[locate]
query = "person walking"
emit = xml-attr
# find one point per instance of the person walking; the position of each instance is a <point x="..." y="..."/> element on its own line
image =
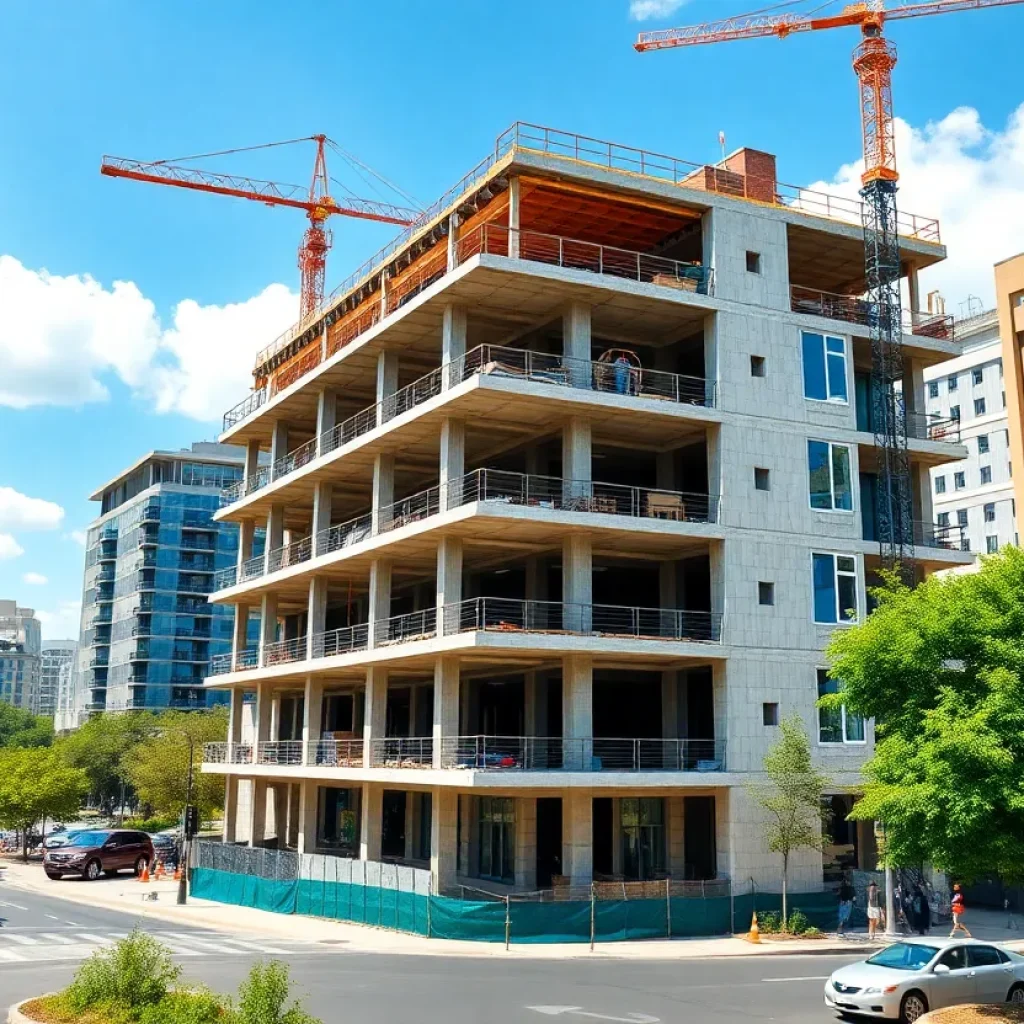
<point x="922" y="912"/>
<point x="846" y="896"/>
<point x="957" y="906"/>
<point x="874" y="910"/>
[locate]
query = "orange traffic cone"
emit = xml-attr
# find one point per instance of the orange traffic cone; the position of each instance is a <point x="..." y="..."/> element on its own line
<point x="755" y="934"/>
<point x="158" y="870"/>
<point x="144" y="877"/>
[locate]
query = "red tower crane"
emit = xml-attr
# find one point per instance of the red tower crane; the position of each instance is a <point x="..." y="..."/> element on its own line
<point x="315" y="200"/>
<point x="873" y="61"/>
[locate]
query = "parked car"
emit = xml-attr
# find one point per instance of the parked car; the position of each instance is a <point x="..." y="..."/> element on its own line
<point x="93" y="852"/>
<point x="165" y="849"/>
<point x="907" y="979"/>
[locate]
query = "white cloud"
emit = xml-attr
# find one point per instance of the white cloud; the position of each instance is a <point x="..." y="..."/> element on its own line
<point x="644" y="10"/>
<point x="62" y="622"/>
<point x="79" y="537"/>
<point x="62" y="338"/>
<point x="971" y="178"/>
<point x="20" y="512"/>
<point x="35" y="579"/>
<point x="9" y="547"/>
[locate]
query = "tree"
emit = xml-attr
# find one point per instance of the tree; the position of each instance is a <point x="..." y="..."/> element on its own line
<point x="36" y="783"/>
<point x="158" y="767"/>
<point x="941" y="670"/>
<point x="792" y="798"/>
<point x="20" y="728"/>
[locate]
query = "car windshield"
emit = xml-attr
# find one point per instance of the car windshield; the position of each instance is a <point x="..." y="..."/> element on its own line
<point x="904" y="956"/>
<point x="90" y="838"/>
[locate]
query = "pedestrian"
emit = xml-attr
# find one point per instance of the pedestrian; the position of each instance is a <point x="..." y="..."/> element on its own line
<point x="922" y="912"/>
<point x="874" y="910"/>
<point x="846" y="896"/>
<point x="957" y="906"/>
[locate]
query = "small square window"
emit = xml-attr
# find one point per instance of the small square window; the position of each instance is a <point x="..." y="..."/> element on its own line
<point x="761" y="479"/>
<point x="770" y="713"/>
<point x="943" y="519"/>
<point x="753" y="262"/>
<point x="990" y="512"/>
<point x="983" y="444"/>
<point x="757" y="366"/>
<point x="954" y="412"/>
<point x="986" y="474"/>
<point x="991" y="545"/>
<point x="976" y="375"/>
<point x="961" y="517"/>
<point x="951" y="383"/>
<point x="979" y="407"/>
<point x="940" y="485"/>
<point x="933" y="389"/>
<point x="959" y="481"/>
<point x="765" y="593"/>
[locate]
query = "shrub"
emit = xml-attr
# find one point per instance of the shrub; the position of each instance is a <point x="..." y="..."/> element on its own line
<point x="812" y="932"/>
<point x="151" y="824"/>
<point x="185" y="1006"/>
<point x="769" y="921"/>
<point x="798" y="923"/>
<point x="134" y="974"/>
<point x="262" y="997"/>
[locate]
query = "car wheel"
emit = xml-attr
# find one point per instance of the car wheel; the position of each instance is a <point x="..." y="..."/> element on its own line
<point x="914" y="1006"/>
<point x="140" y="866"/>
<point x="92" y="870"/>
<point x="1016" y="995"/>
<point x="55" y="875"/>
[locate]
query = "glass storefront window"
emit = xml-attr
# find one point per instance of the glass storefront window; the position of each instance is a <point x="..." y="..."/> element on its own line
<point x="498" y="839"/>
<point x="643" y="837"/>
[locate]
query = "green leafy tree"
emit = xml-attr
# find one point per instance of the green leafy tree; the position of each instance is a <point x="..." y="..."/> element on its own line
<point x="36" y="783"/>
<point x="941" y="670"/>
<point x="20" y="728"/>
<point x="792" y="799"/>
<point x="158" y="766"/>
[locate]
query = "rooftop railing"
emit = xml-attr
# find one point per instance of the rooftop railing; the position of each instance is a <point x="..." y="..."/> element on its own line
<point x="228" y="753"/>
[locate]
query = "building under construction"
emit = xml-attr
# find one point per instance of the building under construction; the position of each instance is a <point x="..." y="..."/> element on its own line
<point x="569" y="486"/>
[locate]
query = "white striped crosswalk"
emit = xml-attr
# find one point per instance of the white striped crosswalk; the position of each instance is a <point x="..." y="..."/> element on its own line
<point x="71" y="944"/>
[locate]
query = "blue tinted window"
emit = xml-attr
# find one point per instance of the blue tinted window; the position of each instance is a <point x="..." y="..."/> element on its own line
<point x="836" y="350"/>
<point x="824" y="588"/>
<point x="814" y="366"/>
<point x="821" y="479"/>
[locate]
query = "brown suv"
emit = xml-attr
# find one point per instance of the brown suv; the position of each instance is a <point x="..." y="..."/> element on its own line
<point x="94" y="851"/>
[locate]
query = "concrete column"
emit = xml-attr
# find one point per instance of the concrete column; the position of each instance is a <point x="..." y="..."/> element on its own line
<point x="316" y="613"/>
<point x="452" y="462"/>
<point x="577" y="458"/>
<point x="275" y="533"/>
<point x="449" y="582"/>
<point x="246" y="534"/>
<point x="444" y="808"/>
<point x="252" y="458"/>
<point x="239" y="633"/>
<point x="230" y="808"/>
<point x="380" y="599"/>
<point x="264" y="713"/>
<point x="323" y="500"/>
<point x="716" y="480"/>
<point x="312" y="717"/>
<point x="454" y="330"/>
<point x="717" y="556"/>
<point x="326" y="413"/>
<point x="268" y="625"/>
<point x="446" y="704"/>
<point x="676" y="837"/>
<point x="578" y="836"/>
<point x="372" y="808"/>
<point x="235" y="715"/>
<point x="383" y="493"/>
<point x="513" y="217"/>
<point x="578" y="709"/>
<point x="712" y="368"/>
<point x="530" y="704"/>
<point x="576" y="342"/>
<point x="526" y="843"/>
<point x="258" y="813"/>
<point x="375" y="711"/>
<point x="577" y="581"/>
<point x="278" y="444"/>
<point x="309" y="795"/>
<point x="387" y="384"/>
<point x="913" y="288"/>
<point x="453" y="241"/>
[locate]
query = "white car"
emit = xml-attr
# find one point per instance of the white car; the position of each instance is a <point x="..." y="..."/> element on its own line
<point x="907" y="979"/>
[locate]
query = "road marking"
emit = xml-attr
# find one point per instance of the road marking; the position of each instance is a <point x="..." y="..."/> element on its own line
<point x="8" y="954"/>
<point x="23" y="940"/>
<point x="60" y="940"/>
<point x="74" y="924"/>
<point x="101" y="939"/>
<point x="578" y="1011"/>
<point x="808" y="977"/>
<point x="213" y="947"/>
<point x="52" y="917"/>
<point x="14" y="906"/>
<point x="258" y="947"/>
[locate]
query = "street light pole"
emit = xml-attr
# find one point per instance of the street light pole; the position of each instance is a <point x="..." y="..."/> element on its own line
<point x="185" y="829"/>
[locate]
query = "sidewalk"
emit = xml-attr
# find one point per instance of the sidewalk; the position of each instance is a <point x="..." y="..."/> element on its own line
<point x="125" y="893"/>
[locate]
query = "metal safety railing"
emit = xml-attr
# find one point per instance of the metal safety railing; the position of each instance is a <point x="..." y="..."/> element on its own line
<point x="928" y="426"/>
<point x="949" y="536"/>
<point x="421" y="625"/>
<point x="341" y="641"/>
<point x="335" y="753"/>
<point x="856" y="309"/>
<point x="228" y="753"/>
<point x="402" y="752"/>
<point x="283" y="651"/>
<point x="279" y="752"/>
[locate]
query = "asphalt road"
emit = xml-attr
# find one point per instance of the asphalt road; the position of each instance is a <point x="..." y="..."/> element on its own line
<point x="46" y="933"/>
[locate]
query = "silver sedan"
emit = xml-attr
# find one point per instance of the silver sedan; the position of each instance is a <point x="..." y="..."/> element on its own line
<point x="907" y="979"/>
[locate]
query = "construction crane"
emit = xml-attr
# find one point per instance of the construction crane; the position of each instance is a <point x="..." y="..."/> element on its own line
<point x="873" y="61"/>
<point x="315" y="200"/>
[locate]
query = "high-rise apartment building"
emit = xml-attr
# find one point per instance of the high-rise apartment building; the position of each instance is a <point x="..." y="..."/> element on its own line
<point x="569" y="487"/>
<point x="148" y="628"/>
<point x="56" y="663"/>
<point x="20" y="655"/>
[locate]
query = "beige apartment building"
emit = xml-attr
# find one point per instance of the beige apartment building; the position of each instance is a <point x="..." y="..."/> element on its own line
<point x="569" y="487"/>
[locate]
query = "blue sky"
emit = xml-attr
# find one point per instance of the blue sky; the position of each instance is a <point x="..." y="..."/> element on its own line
<point x="95" y="374"/>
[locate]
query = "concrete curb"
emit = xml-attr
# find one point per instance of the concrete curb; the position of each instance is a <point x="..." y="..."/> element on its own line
<point x="15" y="1016"/>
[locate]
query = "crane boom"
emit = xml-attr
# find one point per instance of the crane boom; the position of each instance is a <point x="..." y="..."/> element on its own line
<point x="753" y="26"/>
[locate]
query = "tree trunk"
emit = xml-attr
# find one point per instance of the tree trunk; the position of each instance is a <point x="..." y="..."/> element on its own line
<point x="785" y="888"/>
<point x="24" y="843"/>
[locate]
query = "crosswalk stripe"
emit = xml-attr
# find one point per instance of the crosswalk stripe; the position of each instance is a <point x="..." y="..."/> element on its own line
<point x="258" y="947"/>
<point x="101" y="940"/>
<point x="193" y="941"/>
<point x="21" y="940"/>
<point x="8" y="954"/>
<point x="61" y="940"/>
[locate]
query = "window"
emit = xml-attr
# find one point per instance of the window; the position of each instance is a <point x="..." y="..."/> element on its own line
<point x="983" y="444"/>
<point x="837" y="725"/>
<point x="643" y="837"/>
<point x="753" y="262"/>
<point x="954" y="412"/>
<point x="757" y="366"/>
<point x="983" y="956"/>
<point x="835" y="588"/>
<point x="961" y="517"/>
<point x="497" y="838"/>
<point x="940" y="485"/>
<point x="990" y="512"/>
<point x="766" y="593"/>
<point x="770" y="714"/>
<point x="986" y="474"/>
<point x="976" y="375"/>
<point x="955" y="959"/>
<point x="951" y="383"/>
<point x="991" y="544"/>
<point x="1004" y="399"/>
<point x="943" y="519"/>
<point x="958" y="481"/>
<point x="761" y="479"/>
<point x="933" y="389"/>
<point x="824" y="367"/>
<point x="829" y="468"/>
<point x="979" y="407"/>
